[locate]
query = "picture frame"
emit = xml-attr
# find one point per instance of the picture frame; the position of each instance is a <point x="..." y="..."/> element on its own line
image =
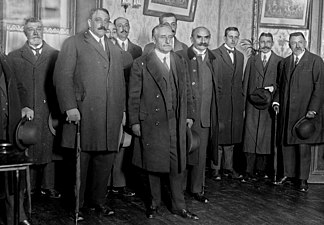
<point x="183" y="9"/>
<point x="285" y="13"/>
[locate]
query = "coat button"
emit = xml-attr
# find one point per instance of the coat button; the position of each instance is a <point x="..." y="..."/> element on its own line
<point x="158" y="96"/>
<point x="194" y="58"/>
<point x="194" y="70"/>
<point x="157" y="109"/>
<point x="44" y="101"/>
<point x="193" y="83"/>
<point x="157" y="123"/>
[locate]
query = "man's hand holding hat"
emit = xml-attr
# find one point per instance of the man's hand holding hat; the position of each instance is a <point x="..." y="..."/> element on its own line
<point x="29" y="113"/>
<point x="73" y="115"/>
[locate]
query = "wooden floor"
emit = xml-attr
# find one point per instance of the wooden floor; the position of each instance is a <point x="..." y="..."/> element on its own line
<point x="231" y="202"/>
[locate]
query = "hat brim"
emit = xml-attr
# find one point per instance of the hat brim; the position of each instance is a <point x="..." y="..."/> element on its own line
<point x="193" y="140"/>
<point x="298" y="123"/>
<point x="19" y="144"/>
<point x="260" y="98"/>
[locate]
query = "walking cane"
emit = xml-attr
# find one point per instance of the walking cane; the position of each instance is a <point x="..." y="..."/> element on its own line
<point x="77" y="171"/>
<point x="275" y="150"/>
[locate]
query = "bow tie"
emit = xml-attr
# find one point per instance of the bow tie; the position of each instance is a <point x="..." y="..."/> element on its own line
<point x="230" y="51"/>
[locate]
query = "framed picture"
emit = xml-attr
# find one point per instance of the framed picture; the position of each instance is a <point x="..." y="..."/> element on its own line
<point x="183" y="9"/>
<point x="285" y="13"/>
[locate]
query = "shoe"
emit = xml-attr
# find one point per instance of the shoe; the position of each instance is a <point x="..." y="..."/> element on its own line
<point x="79" y="218"/>
<point x="248" y="178"/>
<point x="200" y="197"/>
<point x="104" y="210"/>
<point x="123" y="191"/>
<point x="303" y="187"/>
<point x="151" y="212"/>
<point x="232" y="174"/>
<point x="24" y="222"/>
<point x="217" y="177"/>
<point x="284" y="180"/>
<point x="186" y="214"/>
<point x="50" y="193"/>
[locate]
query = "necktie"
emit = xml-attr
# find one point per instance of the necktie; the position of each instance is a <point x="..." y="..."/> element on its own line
<point x="102" y="44"/>
<point x="264" y="61"/>
<point x="231" y="54"/>
<point x="123" y="46"/>
<point x="230" y="51"/>
<point x="37" y="53"/>
<point x="165" y="64"/>
<point x="296" y="61"/>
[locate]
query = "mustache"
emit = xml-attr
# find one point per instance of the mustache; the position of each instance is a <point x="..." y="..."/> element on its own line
<point x="124" y="31"/>
<point x="203" y="44"/>
<point x="102" y="28"/>
<point x="266" y="47"/>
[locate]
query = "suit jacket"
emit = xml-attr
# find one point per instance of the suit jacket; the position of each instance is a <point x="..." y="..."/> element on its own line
<point x="178" y="46"/>
<point x="258" y="135"/>
<point x="231" y="100"/>
<point x="147" y="107"/>
<point x="37" y="78"/>
<point x="91" y="79"/>
<point x="213" y="65"/>
<point x="301" y="89"/>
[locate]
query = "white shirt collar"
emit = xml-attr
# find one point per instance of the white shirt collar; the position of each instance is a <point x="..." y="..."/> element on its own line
<point x="198" y="52"/>
<point x="299" y="56"/>
<point x="40" y="47"/>
<point x="161" y="56"/>
<point x="226" y="46"/>
<point x="120" y="43"/>
<point x="268" y="54"/>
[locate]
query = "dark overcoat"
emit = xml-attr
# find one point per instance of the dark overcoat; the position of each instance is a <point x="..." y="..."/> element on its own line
<point x="301" y="89"/>
<point x="37" y="78"/>
<point x="213" y="65"/>
<point x="147" y="107"/>
<point x="259" y="123"/>
<point x="14" y="106"/>
<point x="178" y="46"/>
<point x="231" y="99"/>
<point x="90" y="79"/>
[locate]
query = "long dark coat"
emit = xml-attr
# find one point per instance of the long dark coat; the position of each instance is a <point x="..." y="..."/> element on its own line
<point x="147" y="107"/>
<point x="259" y="123"/>
<point x="213" y="65"/>
<point x="14" y="106"/>
<point x="231" y="99"/>
<point x="37" y="77"/>
<point x="301" y="89"/>
<point x="91" y="79"/>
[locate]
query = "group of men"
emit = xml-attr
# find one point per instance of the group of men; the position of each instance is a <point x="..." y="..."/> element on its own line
<point x="103" y="81"/>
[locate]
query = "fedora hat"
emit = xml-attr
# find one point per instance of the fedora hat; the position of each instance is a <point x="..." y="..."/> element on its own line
<point x="26" y="133"/>
<point x="53" y="124"/>
<point x="125" y="139"/>
<point x="304" y="128"/>
<point x="193" y="140"/>
<point x="260" y="98"/>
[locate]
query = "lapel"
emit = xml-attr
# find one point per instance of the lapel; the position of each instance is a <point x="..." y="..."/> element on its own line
<point x="226" y="57"/>
<point x="259" y="65"/>
<point x="96" y="45"/>
<point x="155" y="69"/>
<point x="174" y="69"/>
<point x="28" y="54"/>
<point x="45" y="53"/>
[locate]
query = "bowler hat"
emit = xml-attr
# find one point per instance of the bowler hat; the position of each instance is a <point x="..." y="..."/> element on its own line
<point x="126" y="140"/>
<point x="260" y="98"/>
<point x="26" y="133"/>
<point x="304" y="128"/>
<point x="193" y="140"/>
<point x="53" y="124"/>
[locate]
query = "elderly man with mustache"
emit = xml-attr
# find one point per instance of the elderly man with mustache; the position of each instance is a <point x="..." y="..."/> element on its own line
<point x="204" y="75"/>
<point x="90" y="88"/>
<point x="260" y="72"/>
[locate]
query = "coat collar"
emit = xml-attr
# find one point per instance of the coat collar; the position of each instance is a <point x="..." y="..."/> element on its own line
<point x="94" y="44"/>
<point x="28" y="54"/>
<point x="226" y="56"/>
<point x="191" y="54"/>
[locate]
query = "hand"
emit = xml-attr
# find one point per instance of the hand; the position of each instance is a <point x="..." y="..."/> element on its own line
<point x="136" y="128"/>
<point x="124" y="119"/>
<point x="189" y="123"/>
<point x="73" y="115"/>
<point x="29" y="113"/>
<point x="276" y="108"/>
<point x="311" y="114"/>
<point x="270" y="88"/>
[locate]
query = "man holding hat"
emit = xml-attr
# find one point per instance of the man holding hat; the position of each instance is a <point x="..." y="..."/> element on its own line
<point x="300" y="94"/>
<point x="203" y="73"/>
<point x="259" y="84"/>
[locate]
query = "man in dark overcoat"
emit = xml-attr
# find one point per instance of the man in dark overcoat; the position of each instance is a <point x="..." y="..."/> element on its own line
<point x="33" y="64"/>
<point x="231" y="100"/>
<point x="171" y="20"/>
<point x="10" y="116"/>
<point x="300" y="94"/>
<point x="203" y="72"/>
<point x="159" y="109"/>
<point x="90" y="88"/>
<point x="260" y="72"/>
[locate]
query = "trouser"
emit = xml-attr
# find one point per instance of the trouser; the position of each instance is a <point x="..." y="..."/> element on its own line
<point x="225" y="158"/>
<point x="42" y="176"/>
<point x="258" y="161"/>
<point x="197" y="172"/>
<point x="297" y="159"/>
<point x="117" y="176"/>
<point x="95" y="170"/>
